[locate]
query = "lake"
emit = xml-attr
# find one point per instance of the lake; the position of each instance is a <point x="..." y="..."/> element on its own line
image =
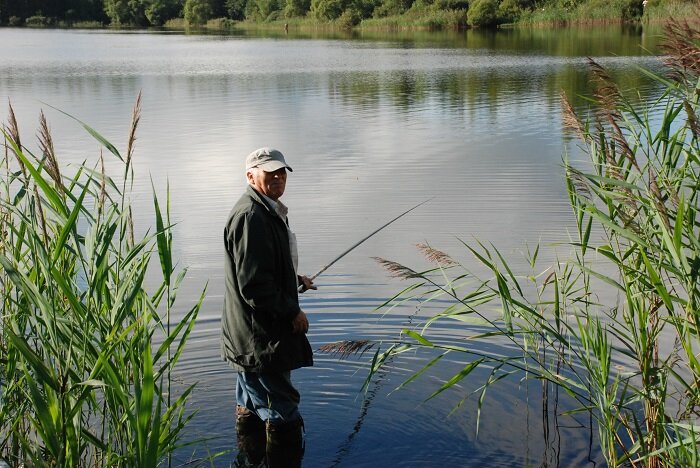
<point x="372" y="124"/>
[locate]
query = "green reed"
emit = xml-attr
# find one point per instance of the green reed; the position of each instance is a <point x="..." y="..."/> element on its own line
<point x="86" y="347"/>
<point x="629" y="293"/>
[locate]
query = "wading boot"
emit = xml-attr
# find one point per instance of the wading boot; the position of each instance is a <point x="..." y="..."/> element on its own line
<point x="285" y="444"/>
<point x="250" y="430"/>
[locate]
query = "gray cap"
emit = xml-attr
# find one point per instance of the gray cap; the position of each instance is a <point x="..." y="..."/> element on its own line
<point x="267" y="159"/>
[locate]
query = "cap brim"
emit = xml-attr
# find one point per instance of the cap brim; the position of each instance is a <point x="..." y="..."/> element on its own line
<point x="272" y="166"/>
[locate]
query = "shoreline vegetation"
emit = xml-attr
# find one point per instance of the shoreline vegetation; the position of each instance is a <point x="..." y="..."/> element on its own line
<point x="615" y="323"/>
<point x="333" y="15"/>
<point x="87" y="347"/>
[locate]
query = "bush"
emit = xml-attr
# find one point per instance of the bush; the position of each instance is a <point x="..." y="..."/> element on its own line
<point x="159" y="11"/>
<point x="15" y="21"/>
<point x="632" y="9"/>
<point x="294" y="8"/>
<point x="327" y="9"/>
<point x="349" y="19"/>
<point x="176" y="23"/>
<point x="509" y="11"/>
<point x="220" y="23"/>
<point x="392" y="7"/>
<point x="197" y="12"/>
<point x="37" y="21"/>
<point x="483" y="13"/>
<point x="235" y="9"/>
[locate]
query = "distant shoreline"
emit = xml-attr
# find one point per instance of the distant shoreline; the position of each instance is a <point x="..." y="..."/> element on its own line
<point x="415" y="19"/>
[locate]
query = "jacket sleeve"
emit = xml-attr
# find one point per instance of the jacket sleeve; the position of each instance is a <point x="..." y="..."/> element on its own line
<point x="255" y="255"/>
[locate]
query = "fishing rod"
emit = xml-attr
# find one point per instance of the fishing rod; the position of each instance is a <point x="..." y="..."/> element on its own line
<point x="357" y="244"/>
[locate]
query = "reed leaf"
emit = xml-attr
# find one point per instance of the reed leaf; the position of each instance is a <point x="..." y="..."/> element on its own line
<point x="421" y="371"/>
<point x="93" y="133"/>
<point x="163" y="241"/>
<point x="455" y="379"/>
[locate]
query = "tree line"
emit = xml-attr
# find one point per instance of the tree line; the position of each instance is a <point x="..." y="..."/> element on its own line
<point x="144" y="13"/>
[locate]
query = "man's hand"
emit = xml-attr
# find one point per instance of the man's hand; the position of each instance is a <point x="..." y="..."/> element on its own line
<point x="300" y="324"/>
<point x="305" y="283"/>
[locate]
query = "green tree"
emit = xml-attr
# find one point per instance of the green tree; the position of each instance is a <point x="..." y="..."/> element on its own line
<point x="296" y="8"/>
<point x="81" y="10"/>
<point x="327" y="9"/>
<point x="262" y="10"/>
<point x="197" y="12"/>
<point x="509" y="11"/>
<point x="483" y="13"/>
<point x="159" y="11"/>
<point x="392" y="7"/>
<point x="364" y="8"/>
<point x="235" y="9"/>
<point x="126" y="12"/>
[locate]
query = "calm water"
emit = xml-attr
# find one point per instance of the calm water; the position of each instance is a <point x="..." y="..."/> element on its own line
<point x="372" y="125"/>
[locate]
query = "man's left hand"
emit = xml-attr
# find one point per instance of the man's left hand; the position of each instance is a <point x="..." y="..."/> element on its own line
<point x="300" y="324"/>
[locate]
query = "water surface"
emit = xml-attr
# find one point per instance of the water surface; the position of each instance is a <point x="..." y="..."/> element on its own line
<point x="372" y="124"/>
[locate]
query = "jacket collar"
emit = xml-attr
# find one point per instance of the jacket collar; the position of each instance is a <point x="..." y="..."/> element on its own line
<point x="257" y="197"/>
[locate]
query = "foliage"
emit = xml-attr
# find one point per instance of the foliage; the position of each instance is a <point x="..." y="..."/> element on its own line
<point x="86" y="351"/>
<point x="262" y="10"/>
<point x="435" y="13"/>
<point x="219" y="23"/>
<point x="392" y="7"/>
<point x="617" y="326"/>
<point x="126" y="12"/>
<point x="483" y="13"/>
<point x="327" y="9"/>
<point x="509" y="11"/>
<point x="235" y="9"/>
<point x="37" y="21"/>
<point x="294" y="8"/>
<point x="197" y="12"/>
<point x="159" y="11"/>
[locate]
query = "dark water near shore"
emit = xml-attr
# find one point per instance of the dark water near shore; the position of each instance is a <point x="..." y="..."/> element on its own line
<point x="372" y="125"/>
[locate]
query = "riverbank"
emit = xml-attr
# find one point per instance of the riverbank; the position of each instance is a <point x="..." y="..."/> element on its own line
<point x="418" y="15"/>
<point x="418" y="19"/>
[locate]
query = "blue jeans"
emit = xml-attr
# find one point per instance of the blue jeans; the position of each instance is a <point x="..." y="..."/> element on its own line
<point x="270" y="395"/>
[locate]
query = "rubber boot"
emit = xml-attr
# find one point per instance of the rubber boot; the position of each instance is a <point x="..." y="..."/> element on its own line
<point x="251" y="438"/>
<point x="285" y="444"/>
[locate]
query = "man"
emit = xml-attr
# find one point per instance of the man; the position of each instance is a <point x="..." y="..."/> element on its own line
<point x="263" y="328"/>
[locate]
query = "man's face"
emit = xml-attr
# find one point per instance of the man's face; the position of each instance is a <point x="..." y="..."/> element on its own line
<point x="271" y="184"/>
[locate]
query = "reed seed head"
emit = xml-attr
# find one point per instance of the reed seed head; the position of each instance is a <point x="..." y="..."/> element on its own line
<point x="579" y="183"/>
<point x="436" y="256"/>
<point x="683" y="55"/>
<point x="13" y="132"/>
<point x="396" y="269"/>
<point x="345" y="348"/>
<point x="47" y="149"/>
<point x="135" y="118"/>
<point x="570" y="119"/>
<point x="606" y="93"/>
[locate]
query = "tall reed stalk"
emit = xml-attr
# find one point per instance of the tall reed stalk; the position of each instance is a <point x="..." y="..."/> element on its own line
<point x="85" y="356"/>
<point x="630" y="292"/>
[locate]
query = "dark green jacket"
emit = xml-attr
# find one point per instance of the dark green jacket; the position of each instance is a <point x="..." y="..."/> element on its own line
<point x="260" y="298"/>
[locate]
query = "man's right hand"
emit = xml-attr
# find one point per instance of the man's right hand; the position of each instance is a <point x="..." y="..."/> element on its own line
<point x="300" y="324"/>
